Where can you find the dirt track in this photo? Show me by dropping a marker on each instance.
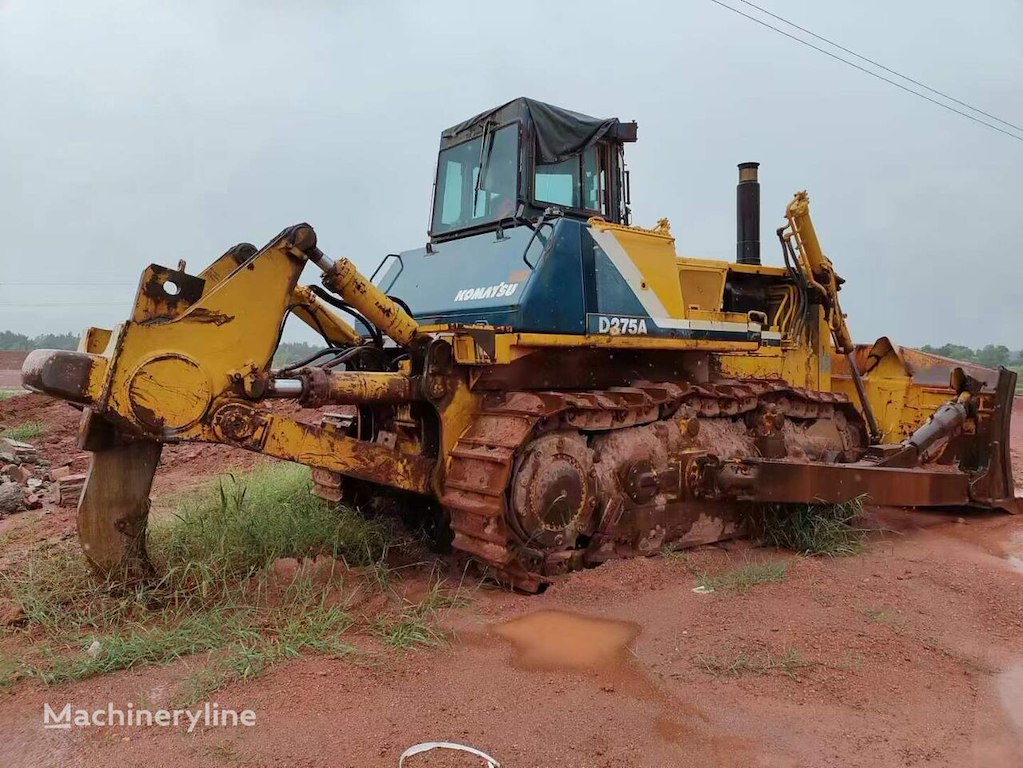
(908, 655)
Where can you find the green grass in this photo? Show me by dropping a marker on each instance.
(740, 579)
(763, 663)
(25, 431)
(242, 525)
(216, 594)
(744, 578)
(7, 394)
(883, 616)
(812, 529)
(416, 623)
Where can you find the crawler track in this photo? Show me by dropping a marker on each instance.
(483, 464)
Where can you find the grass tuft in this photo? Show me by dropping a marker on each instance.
(764, 663)
(7, 394)
(243, 525)
(812, 529)
(744, 578)
(25, 431)
(415, 624)
(884, 616)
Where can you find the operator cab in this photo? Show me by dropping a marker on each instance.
(516, 162)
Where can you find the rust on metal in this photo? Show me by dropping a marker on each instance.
(344, 279)
(993, 485)
(553, 494)
(325, 387)
(322, 446)
(925, 369)
(791, 482)
(114, 507)
(205, 315)
(59, 373)
(521, 481)
(164, 294)
(237, 422)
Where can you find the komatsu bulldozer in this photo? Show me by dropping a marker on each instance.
(545, 383)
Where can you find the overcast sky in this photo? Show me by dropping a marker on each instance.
(135, 132)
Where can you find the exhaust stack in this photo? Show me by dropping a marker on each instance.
(747, 215)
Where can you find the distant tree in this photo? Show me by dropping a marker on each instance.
(55, 341)
(292, 351)
(956, 352)
(10, 340)
(993, 356)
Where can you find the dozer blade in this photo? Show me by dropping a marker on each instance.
(994, 486)
(113, 510)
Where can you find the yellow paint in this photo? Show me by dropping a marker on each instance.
(312, 311)
(816, 267)
(94, 340)
(370, 387)
(703, 285)
(900, 403)
(653, 253)
(179, 370)
(346, 281)
(510, 341)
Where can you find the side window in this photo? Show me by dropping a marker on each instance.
(591, 181)
(573, 183)
(558, 183)
(451, 200)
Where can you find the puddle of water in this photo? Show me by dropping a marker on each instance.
(1010, 690)
(577, 644)
(563, 640)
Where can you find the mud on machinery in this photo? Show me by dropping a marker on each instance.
(546, 383)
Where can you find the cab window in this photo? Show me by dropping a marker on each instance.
(463, 199)
(573, 183)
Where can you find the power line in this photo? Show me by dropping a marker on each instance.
(853, 64)
(4, 284)
(879, 65)
(7, 304)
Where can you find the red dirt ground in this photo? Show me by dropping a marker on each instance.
(10, 369)
(910, 654)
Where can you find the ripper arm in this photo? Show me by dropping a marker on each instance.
(193, 363)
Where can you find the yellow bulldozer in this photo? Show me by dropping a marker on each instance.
(546, 384)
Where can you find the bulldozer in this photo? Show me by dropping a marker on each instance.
(544, 384)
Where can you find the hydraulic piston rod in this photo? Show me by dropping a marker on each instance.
(315, 387)
(343, 278)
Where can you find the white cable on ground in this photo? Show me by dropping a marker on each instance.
(426, 746)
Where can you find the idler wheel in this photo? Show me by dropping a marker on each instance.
(553, 493)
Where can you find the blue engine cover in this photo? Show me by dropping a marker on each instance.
(544, 283)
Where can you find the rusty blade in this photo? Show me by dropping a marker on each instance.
(794, 482)
(114, 507)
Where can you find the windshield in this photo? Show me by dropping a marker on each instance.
(460, 202)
